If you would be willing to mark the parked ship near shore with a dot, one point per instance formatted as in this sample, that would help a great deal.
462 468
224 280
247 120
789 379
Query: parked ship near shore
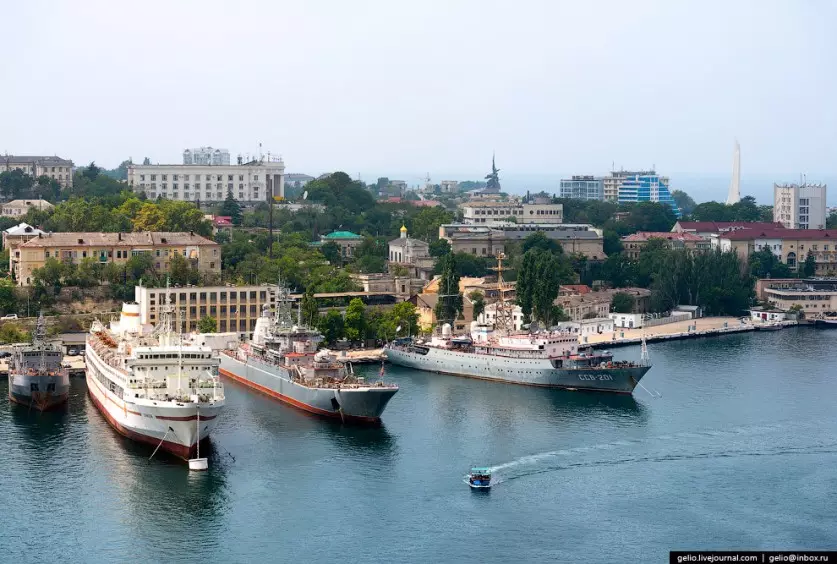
282 362
150 386
36 377
544 358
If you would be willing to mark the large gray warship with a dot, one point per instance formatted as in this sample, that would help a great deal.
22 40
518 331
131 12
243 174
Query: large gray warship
282 362
36 377
539 358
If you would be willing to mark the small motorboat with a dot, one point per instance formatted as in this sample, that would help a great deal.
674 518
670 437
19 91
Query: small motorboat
769 327
480 478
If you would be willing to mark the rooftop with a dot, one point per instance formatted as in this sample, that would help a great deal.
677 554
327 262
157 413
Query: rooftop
342 235
138 239
719 226
407 242
35 159
22 229
643 236
776 233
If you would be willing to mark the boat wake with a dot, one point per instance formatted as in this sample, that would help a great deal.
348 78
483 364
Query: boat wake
687 445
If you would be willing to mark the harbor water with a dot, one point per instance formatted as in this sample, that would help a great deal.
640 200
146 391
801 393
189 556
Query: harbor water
740 451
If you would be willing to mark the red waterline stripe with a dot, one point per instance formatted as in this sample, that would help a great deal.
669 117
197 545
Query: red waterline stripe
181 451
295 403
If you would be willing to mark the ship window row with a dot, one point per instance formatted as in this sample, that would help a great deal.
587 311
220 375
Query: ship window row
155 368
185 355
109 384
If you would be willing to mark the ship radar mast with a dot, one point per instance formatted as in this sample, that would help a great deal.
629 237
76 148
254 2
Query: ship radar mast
284 307
503 318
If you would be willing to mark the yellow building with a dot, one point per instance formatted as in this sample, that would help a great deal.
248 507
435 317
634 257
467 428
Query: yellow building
790 246
234 308
116 248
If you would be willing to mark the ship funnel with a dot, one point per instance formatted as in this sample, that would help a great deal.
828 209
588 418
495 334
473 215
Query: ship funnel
129 319
446 330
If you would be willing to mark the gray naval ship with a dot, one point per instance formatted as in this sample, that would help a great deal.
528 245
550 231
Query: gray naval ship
36 377
282 362
539 358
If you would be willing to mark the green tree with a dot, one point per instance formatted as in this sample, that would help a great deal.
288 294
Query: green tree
399 320
478 302
8 298
355 320
310 311
541 274
439 247
764 264
331 326
183 271
13 333
831 221
539 240
683 201
425 225
622 303
14 183
449 303
231 208
331 251
809 267
207 324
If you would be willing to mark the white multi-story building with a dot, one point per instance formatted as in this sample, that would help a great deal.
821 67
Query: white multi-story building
583 188
56 168
799 206
255 181
206 156
494 211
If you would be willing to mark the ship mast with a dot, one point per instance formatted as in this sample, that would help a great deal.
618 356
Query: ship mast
503 320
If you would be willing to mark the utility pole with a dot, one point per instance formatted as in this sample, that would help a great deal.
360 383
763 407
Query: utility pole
270 229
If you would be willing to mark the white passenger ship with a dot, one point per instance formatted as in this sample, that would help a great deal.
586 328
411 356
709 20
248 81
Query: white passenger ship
150 386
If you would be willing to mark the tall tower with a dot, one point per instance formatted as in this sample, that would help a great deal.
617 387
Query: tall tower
735 184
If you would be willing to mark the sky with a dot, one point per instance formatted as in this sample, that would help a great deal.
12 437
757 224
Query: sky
405 88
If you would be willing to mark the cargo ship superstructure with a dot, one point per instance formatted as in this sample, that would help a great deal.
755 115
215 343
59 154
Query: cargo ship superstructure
282 361
36 377
538 358
150 386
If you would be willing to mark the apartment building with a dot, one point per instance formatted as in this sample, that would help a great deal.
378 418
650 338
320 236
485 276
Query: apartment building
60 170
791 246
489 212
484 240
251 182
583 188
612 183
116 248
235 308
814 296
19 208
635 242
206 156
800 206
647 188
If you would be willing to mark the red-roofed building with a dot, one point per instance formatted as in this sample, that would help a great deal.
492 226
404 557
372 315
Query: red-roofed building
573 289
635 242
708 228
791 246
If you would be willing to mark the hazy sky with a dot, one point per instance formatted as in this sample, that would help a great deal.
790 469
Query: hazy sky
395 86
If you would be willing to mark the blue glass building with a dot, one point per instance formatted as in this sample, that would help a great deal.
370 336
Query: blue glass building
646 188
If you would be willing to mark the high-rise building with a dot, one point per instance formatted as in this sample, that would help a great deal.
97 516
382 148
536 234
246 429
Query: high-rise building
583 188
614 181
647 188
735 184
206 156
255 181
799 206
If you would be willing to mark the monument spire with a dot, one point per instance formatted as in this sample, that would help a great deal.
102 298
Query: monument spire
735 184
